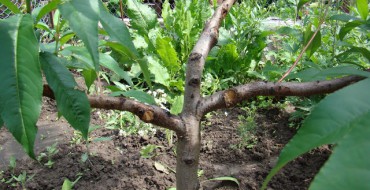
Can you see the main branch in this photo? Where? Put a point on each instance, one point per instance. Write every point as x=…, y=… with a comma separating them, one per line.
x=235, y=95
x=147, y=113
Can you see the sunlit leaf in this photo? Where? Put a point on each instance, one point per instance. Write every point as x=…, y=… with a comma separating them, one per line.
x=11, y=6
x=168, y=54
x=362, y=8
x=83, y=17
x=143, y=18
x=159, y=72
x=177, y=105
x=301, y=3
x=337, y=119
x=72, y=103
x=50, y=6
x=67, y=185
x=21, y=79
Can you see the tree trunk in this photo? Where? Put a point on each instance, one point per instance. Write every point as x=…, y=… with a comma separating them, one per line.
x=188, y=150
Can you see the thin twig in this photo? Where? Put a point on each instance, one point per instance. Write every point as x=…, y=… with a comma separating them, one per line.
x=306, y=46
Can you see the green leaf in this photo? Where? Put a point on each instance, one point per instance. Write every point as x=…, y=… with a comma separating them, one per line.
x=138, y=95
x=343, y=17
x=301, y=3
x=67, y=185
x=21, y=79
x=123, y=50
x=168, y=54
x=116, y=29
x=145, y=69
x=177, y=105
x=89, y=76
x=333, y=121
x=348, y=166
x=362, y=8
x=11, y=6
x=80, y=54
x=47, y=9
x=99, y=139
x=363, y=51
x=316, y=42
x=143, y=18
x=108, y=62
x=72, y=103
x=348, y=27
x=160, y=73
x=83, y=17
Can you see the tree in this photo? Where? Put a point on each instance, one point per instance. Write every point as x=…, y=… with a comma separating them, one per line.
x=22, y=85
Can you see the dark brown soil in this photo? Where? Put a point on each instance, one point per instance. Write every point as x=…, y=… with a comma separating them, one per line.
x=117, y=163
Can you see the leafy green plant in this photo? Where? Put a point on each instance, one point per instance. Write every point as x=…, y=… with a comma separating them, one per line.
x=68, y=185
x=50, y=152
x=148, y=151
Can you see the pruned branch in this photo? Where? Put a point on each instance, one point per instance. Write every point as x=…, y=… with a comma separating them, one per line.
x=235, y=95
x=147, y=113
x=195, y=66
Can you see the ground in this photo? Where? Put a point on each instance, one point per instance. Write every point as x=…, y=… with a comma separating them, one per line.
x=118, y=164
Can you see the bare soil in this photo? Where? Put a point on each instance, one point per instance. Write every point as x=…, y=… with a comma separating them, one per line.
x=117, y=163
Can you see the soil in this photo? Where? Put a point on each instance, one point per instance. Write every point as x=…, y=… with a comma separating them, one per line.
x=118, y=164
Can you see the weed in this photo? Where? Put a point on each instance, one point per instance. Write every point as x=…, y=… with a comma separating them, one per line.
x=50, y=152
x=148, y=151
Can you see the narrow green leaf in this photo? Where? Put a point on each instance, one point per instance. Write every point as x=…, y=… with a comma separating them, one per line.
x=138, y=95
x=363, y=51
x=362, y=8
x=66, y=37
x=348, y=167
x=145, y=69
x=143, y=18
x=80, y=53
x=72, y=103
x=348, y=27
x=328, y=124
x=11, y=6
x=344, y=17
x=123, y=50
x=316, y=42
x=99, y=139
x=83, y=17
x=21, y=79
x=116, y=29
x=168, y=54
x=108, y=62
x=89, y=76
x=47, y=9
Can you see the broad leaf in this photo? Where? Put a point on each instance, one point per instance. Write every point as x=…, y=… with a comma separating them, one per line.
x=11, y=6
x=143, y=18
x=67, y=185
x=72, y=103
x=168, y=54
x=138, y=95
x=344, y=17
x=362, y=8
x=316, y=42
x=177, y=105
x=47, y=9
x=83, y=17
x=348, y=27
x=348, y=167
x=333, y=121
x=160, y=73
x=21, y=79
x=108, y=62
x=314, y=74
x=116, y=29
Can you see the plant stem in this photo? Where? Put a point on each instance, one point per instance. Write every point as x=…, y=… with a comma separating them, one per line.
x=28, y=5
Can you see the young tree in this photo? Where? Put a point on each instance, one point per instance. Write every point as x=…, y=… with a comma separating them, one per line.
x=22, y=87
